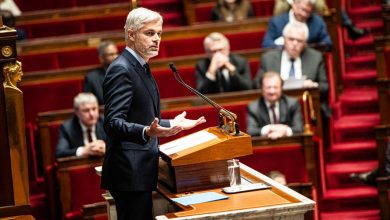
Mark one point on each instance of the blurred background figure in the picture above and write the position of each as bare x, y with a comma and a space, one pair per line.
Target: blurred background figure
83, 134
93, 81
221, 71
320, 7
274, 115
296, 60
302, 11
232, 10
277, 176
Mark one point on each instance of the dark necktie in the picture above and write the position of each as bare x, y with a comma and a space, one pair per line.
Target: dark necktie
274, 118
147, 69
291, 74
156, 95
89, 134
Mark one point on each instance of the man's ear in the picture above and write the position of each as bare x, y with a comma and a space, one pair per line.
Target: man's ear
131, 34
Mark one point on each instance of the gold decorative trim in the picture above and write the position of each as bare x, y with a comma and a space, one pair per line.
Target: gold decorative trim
6, 51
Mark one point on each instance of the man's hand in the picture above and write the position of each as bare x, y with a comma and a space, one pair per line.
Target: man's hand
155, 130
185, 123
310, 84
277, 131
95, 148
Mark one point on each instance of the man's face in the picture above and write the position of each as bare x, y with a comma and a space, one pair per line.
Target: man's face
147, 39
88, 113
271, 89
110, 53
217, 47
294, 43
302, 10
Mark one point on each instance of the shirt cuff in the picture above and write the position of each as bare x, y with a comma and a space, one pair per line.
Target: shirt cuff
79, 151
144, 136
264, 130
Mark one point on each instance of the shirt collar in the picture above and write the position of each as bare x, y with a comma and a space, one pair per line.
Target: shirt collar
136, 55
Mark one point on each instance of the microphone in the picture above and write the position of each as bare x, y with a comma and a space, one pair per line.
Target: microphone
223, 113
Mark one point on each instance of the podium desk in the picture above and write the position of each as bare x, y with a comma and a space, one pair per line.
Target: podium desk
279, 202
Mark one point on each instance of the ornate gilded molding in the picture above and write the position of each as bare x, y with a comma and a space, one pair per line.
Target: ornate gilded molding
13, 73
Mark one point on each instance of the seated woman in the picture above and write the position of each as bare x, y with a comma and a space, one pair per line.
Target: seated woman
232, 10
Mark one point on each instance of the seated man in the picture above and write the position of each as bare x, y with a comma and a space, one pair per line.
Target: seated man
83, 134
93, 81
221, 71
301, 11
296, 60
274, 115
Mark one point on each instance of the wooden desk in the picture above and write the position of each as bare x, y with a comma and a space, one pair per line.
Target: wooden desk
279, 201
262, 204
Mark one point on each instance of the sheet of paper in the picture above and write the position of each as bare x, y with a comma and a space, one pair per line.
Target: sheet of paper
200, 198
187, 142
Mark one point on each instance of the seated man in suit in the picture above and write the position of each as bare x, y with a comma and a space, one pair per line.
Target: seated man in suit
274, 115
296, 60
301, 11
93, 81
83, 134
221, 71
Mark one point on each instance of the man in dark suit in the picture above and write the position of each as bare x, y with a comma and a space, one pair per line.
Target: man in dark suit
221, 71
296, 60
132, 119
83, 134
274, 115
93, 81
301, 11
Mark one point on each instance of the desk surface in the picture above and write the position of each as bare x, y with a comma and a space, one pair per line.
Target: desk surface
279, 200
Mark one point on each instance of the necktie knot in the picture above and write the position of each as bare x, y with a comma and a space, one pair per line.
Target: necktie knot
147, 68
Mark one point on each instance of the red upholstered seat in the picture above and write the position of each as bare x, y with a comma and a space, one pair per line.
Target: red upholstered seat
49, 96
287, 159
79, 57
85, 189
35, 62
168, 85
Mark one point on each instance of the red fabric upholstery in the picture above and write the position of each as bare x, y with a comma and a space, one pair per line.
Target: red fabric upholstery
53, 28
31, 5
387, 61
168, 85
80, 57
288, 159
33, 173
49, 96
85, 187
34, 62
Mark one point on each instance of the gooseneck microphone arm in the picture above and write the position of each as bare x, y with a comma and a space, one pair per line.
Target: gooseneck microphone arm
219, 108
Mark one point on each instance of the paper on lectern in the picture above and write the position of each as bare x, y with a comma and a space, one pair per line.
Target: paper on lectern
187, 142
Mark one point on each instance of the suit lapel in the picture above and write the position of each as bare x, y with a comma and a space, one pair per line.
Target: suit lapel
77, 133
264, 114
282, 111
148, 81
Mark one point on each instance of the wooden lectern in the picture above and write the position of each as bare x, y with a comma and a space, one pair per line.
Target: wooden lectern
198, 161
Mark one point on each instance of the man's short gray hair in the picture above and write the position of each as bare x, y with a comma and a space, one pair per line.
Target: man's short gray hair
214, 37
84, 98
296, 26
138, 17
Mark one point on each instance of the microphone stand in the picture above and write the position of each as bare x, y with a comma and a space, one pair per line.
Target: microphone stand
232, 126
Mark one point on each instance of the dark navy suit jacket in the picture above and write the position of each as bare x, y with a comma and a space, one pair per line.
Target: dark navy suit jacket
318, 32
132, 102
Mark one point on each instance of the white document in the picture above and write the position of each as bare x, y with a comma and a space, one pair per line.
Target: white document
186, 142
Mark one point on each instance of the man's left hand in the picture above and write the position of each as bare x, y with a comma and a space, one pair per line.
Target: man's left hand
181, 121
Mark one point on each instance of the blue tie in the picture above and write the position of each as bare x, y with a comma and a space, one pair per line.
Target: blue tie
291, 74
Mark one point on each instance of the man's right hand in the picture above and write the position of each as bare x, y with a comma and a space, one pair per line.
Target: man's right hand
95, 148
155, 130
